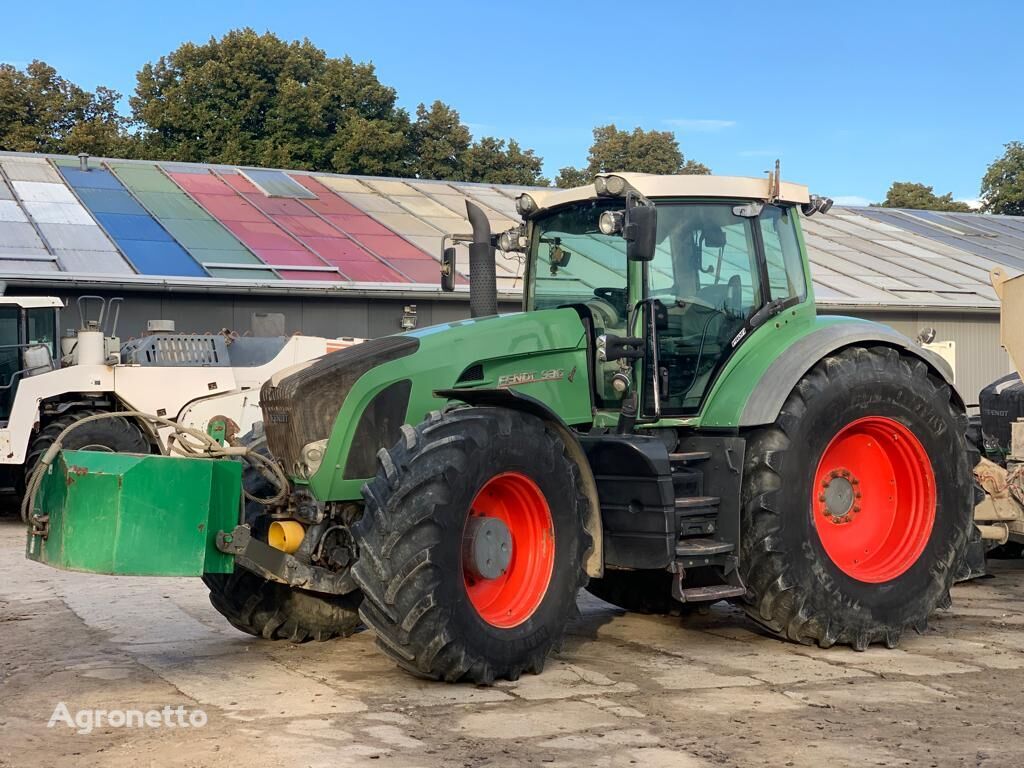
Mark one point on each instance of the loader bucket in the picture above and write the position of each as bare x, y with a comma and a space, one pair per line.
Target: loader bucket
1011, 318
123, 513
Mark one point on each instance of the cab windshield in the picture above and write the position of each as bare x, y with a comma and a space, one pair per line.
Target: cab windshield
704, 283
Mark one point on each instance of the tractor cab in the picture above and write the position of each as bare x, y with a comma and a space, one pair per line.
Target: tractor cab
720, 259
28, 342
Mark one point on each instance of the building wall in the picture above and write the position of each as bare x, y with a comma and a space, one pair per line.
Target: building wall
979, 357
329, 316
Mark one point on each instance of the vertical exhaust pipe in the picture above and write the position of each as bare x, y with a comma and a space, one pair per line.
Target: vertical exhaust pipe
483, 285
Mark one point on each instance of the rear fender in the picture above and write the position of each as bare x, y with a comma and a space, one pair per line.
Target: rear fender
517, 401
768, 396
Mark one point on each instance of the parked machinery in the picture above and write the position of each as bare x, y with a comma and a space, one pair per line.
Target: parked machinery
48, 383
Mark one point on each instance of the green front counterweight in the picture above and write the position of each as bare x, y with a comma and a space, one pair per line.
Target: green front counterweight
121, 513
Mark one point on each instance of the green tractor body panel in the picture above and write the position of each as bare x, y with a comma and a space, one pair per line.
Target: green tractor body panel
742, 372
541, 354
122, 513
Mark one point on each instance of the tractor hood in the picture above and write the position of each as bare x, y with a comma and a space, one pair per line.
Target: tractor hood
326, 421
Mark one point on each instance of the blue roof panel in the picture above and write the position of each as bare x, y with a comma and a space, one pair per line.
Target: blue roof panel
127, 226
95, 178
160, 258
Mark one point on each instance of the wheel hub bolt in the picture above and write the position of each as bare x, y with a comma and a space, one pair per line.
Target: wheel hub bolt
840, 496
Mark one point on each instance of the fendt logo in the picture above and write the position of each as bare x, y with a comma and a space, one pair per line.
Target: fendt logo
531, 377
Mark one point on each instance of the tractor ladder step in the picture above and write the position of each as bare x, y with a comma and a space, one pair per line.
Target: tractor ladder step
690, 548
696, 502
688, 457
710, 594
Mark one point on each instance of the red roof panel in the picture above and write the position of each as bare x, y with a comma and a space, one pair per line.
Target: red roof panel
328, 201
393, 247
360, 224
321, 276
201, 182
228, 208
261, 235
241, 184
338, 249
419, 270
294, 257
372, 271
279, 206
307, 226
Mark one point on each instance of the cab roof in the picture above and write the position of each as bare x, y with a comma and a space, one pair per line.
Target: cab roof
30, 302
681, 185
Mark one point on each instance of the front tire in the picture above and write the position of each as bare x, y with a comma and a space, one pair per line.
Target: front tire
269, 609
438, 611
857, 502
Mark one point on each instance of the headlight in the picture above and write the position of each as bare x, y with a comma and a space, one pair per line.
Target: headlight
525, 205
509, 241
610, 222
313, 456
601, 186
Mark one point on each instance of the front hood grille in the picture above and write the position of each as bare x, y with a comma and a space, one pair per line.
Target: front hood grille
302, 407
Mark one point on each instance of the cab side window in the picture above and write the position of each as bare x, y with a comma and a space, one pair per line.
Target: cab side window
782, 253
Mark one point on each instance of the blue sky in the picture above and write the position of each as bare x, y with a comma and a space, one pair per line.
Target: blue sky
850, 96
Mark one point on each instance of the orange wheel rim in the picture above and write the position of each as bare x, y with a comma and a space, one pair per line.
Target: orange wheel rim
511, 597
873, 499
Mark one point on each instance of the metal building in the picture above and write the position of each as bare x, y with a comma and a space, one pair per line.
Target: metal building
264, 250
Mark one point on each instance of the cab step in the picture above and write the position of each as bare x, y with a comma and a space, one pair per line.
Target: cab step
697, 502
710, 594
690, 548
688, 457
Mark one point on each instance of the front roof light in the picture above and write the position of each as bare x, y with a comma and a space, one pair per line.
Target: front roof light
601, 186
616, 185
525, 205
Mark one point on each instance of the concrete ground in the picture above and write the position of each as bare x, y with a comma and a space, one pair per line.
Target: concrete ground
627, 690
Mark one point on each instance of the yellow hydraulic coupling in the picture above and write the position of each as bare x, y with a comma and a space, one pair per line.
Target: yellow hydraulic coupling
286, 535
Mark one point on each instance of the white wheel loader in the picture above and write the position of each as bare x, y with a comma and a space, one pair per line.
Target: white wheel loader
48, 383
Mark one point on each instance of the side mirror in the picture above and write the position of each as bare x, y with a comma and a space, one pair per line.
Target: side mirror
448, 269
640, 231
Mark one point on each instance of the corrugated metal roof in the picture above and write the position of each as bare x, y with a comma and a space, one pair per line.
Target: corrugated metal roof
278, 227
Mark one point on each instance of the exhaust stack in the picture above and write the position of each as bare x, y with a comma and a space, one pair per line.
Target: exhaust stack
483, 287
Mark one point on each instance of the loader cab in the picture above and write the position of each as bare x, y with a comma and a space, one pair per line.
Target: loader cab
28, 343
719, 269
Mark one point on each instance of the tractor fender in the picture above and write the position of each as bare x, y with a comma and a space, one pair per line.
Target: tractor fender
517, 401
770, 393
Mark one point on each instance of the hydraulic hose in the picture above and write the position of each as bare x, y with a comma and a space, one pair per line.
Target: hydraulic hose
184, 441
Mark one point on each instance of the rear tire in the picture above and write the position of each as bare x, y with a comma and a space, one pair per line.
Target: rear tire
115, 435
269, 609
795, 587
431, 617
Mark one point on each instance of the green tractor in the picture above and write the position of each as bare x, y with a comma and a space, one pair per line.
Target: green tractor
667, 423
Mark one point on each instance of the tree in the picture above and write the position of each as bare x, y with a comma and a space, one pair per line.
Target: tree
572, 177
641, 151
1002, 187
440, 142
909, 194
489, 160
255, 99
40, 111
